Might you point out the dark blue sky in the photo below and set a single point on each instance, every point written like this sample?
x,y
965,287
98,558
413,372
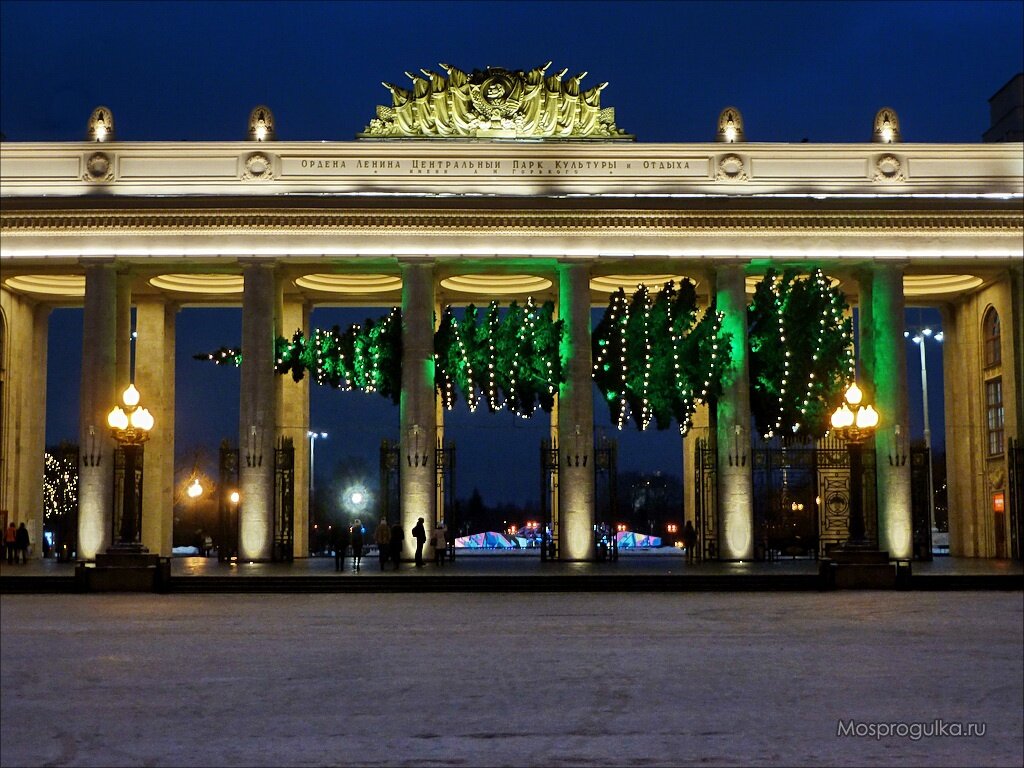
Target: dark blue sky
x,y
193,71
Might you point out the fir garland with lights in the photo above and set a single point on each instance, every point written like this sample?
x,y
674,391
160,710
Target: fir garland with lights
x,y
801,352
365,358
511,362
656,360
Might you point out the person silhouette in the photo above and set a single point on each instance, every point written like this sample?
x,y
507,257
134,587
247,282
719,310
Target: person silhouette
x,y
357,545
689,540
340,545
397,539
382,538
420,535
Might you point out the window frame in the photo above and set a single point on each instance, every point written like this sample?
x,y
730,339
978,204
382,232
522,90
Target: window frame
x,y
992,337
995,417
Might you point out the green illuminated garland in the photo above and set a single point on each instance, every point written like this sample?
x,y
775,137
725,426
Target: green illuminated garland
x,y
801,352
513,361
655,360
365,358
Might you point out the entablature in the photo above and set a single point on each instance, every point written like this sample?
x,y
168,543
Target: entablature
x,y
468,168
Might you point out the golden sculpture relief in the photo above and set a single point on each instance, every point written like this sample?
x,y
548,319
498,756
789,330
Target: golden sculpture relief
x,y
495,103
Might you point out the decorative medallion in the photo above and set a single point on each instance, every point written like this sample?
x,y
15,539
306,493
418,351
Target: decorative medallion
x,y
731,168
497,103
888,168
258,167
99,168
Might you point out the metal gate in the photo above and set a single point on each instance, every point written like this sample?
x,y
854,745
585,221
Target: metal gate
x,y
920,503
801,498
606,473
444,462
284,501
283,546
832,456
227,503
705,513
785,487
548,493
1015,454
390,494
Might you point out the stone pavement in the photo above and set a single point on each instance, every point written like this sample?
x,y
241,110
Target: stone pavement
x,y
509,679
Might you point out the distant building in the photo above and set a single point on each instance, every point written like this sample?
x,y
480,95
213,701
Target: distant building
x,y
1007,108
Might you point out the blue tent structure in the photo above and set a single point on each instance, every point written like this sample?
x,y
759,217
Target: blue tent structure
x,y
633,540
487,540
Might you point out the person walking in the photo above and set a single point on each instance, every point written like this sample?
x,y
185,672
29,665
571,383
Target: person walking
x,y
440,542
21,539
397,538
357,545
382,538
10,537
420,534
689,540
340,545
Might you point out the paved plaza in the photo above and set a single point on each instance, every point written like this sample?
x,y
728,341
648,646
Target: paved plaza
x,y
511,679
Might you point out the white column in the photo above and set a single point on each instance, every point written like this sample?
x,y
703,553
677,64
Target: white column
x,y
885,371
293,421
418,415
575,418
154,378
257,415
123,372
98,395
735,485
23,423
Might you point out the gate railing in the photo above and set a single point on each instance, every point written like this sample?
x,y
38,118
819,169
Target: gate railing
x,y
706,498
284,501
227,503
283,543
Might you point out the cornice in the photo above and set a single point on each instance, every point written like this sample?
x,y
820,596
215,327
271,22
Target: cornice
x,y
185,221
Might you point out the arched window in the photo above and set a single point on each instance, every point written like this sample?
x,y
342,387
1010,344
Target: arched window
x,y
993,336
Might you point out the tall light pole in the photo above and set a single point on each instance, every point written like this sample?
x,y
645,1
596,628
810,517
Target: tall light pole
x,y
313,437
918,338
314,539
130,426
855,425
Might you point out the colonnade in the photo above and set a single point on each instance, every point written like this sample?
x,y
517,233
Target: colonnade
x,y
273,406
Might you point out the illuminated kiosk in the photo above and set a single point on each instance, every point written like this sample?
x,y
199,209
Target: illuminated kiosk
x,y
469,186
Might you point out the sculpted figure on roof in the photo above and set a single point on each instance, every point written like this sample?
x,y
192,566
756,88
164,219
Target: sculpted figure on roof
x,y
494,102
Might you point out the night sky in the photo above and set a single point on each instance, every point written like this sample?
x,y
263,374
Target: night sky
x,y
193,71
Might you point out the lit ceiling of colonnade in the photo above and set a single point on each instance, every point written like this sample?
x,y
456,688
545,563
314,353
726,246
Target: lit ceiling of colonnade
x,y
63,287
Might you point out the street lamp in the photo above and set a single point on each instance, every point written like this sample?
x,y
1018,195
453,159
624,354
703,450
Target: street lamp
x,y
855,428
918,338
313,437
130,427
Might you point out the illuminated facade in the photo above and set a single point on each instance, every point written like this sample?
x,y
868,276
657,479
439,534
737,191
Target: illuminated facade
x,y
278,227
